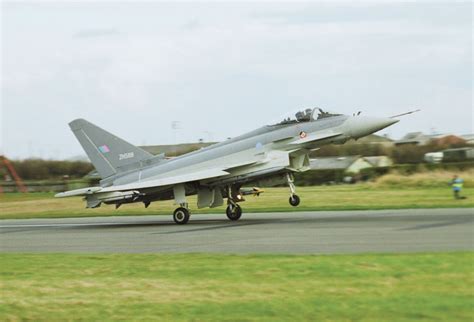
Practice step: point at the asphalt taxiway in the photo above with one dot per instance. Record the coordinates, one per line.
(328, 232)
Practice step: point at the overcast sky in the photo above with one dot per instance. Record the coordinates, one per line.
(225, 69)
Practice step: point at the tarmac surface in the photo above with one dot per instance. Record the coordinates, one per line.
(328, 232)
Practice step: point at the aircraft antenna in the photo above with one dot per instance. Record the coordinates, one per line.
(403, 114)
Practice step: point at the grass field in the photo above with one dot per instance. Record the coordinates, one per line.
(408, 287)
(353, 197)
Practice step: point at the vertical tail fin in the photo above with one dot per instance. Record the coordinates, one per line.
(107, 152)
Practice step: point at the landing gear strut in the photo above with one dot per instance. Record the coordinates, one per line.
(294, 198)
(181, 215)
(234, 211)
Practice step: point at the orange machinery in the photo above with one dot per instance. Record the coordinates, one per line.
(10, 169)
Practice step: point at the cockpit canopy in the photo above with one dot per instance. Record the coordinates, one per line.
(307, 115)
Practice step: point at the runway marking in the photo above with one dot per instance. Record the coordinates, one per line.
(440, 224)
(69, 225)
(212, 228)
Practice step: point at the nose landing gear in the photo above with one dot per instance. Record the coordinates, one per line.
(294, 198)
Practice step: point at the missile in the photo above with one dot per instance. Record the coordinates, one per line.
(115, 197)
(255, 191)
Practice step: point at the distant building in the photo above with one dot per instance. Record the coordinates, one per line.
(469, 138)
(433, 157)
(374, 139)
(348, 169)
(414, 138)
(348, 164)
(418, 138)
(456, 155)
(380, 161)
(450, 155)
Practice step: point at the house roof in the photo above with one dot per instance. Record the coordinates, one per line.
(414, 137)
(374, 138)
(422, 139)
(333, 163)
(377, 160)
(468, 137)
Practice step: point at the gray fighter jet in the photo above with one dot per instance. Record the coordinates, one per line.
(266, 156)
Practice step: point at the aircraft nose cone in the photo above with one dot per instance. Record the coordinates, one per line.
(386, 122)
(377, 124)
(365, 126)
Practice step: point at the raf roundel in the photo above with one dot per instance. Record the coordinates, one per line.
(303, 134)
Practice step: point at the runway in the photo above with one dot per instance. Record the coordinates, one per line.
(327, 232)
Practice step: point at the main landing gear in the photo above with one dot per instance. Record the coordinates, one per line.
(294, 198)
(234, 211)
(181, 215)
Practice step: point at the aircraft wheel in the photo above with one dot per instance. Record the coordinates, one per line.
(181, 216)
(294, 200)
(234, 212)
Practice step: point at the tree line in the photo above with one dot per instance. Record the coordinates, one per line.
(39, 169)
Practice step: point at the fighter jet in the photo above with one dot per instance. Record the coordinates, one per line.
(267, 156)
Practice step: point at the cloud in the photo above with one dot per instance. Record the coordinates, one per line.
(191, 24)
(92, 33)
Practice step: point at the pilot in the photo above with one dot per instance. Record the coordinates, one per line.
(299, 116)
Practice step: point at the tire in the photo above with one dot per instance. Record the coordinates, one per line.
(235, 213)
(294, 200)
(181, 216)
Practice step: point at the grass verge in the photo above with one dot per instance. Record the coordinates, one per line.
(354, 197)
(423, 179)
(406, 287)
